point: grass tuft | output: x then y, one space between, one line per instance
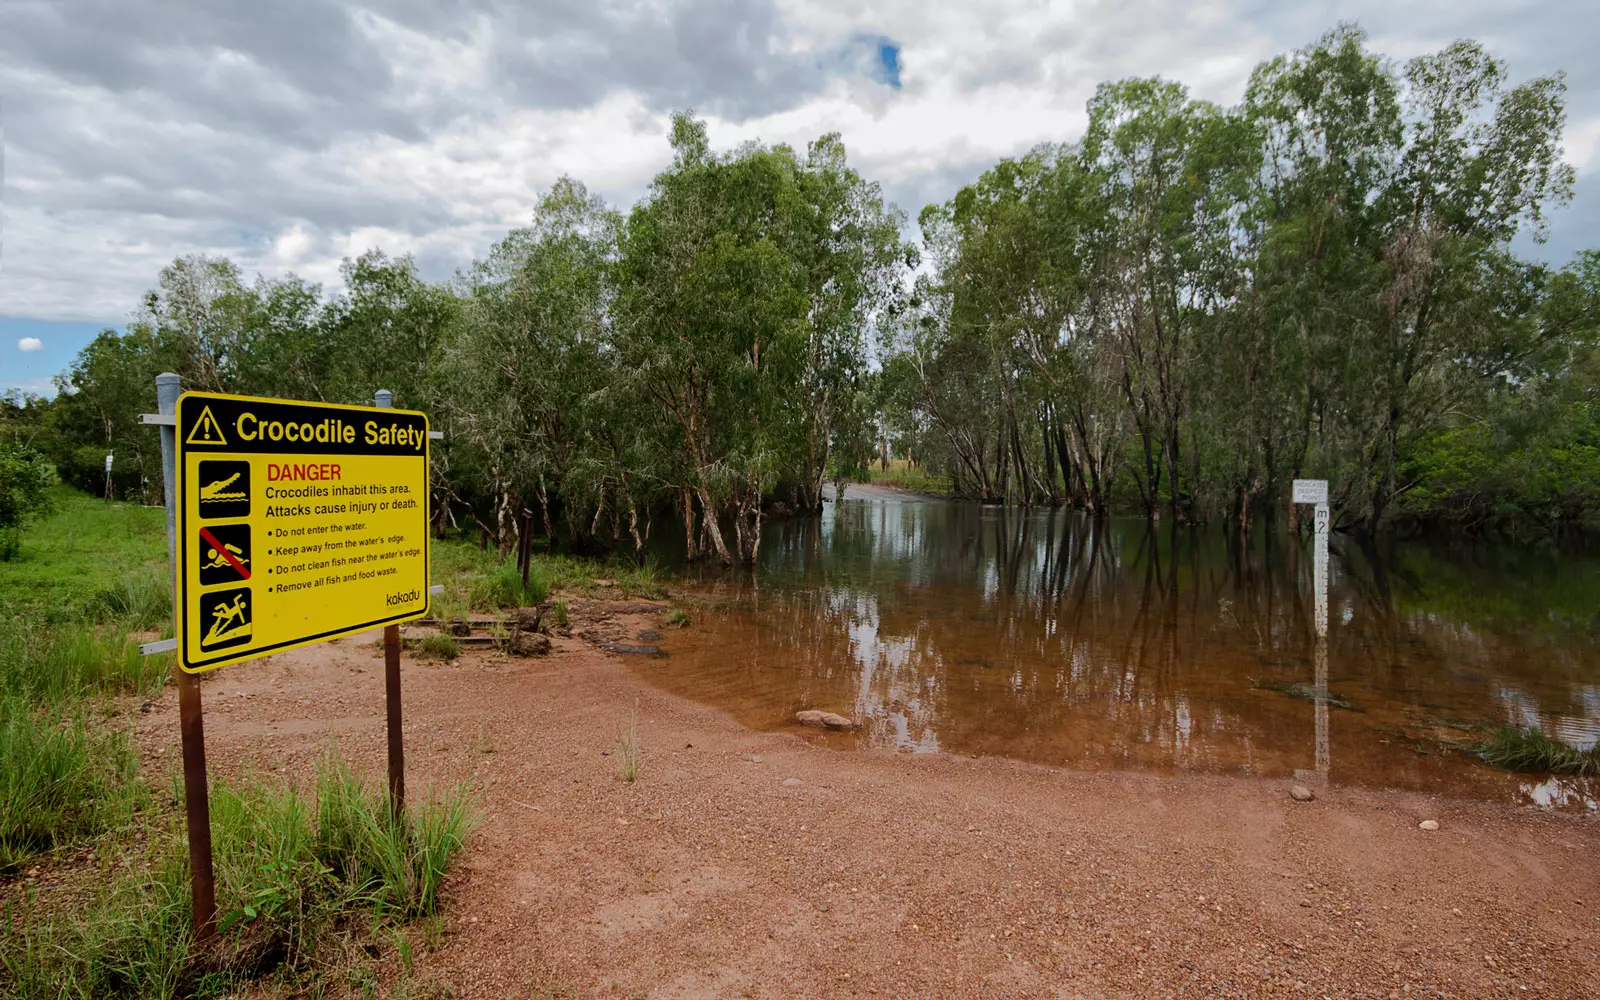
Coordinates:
504 588
628 748
1517 749
138 601
437 647
677 618
60 781
396 866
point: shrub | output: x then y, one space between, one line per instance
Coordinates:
25 481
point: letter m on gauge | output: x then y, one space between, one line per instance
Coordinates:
296 522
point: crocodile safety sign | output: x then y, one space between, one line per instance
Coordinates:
297 522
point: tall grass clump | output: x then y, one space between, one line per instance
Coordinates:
59 780
132 939
291 873
504 588
1516 748
395 865
438 646
138 601
53 664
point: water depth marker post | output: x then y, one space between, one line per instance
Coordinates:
375 570
1315 492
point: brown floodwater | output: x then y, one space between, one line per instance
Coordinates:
1046 636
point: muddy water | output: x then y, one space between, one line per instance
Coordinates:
1048 637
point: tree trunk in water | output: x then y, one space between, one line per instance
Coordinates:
712 529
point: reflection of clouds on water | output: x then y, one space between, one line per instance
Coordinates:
1561 793
1050 636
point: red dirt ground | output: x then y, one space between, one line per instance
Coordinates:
751 864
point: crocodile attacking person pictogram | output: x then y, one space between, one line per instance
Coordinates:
224 489
224 554
225 618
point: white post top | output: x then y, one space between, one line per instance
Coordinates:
1310 491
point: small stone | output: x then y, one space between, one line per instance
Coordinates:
1428 824
1301 793
823 720
792 782
755 758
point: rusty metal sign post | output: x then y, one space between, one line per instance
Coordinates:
234 557
383 399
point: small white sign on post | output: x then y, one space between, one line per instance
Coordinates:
1315 492
1310 491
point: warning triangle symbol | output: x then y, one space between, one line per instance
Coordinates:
206 430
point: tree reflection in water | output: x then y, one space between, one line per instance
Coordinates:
1050 636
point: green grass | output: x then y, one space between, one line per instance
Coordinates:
60 780
437 647
479 581
59 664
1519 749
677 618
297 879
902 476
140 600
86 547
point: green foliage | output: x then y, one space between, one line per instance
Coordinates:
1519 749
25 495
396 867
140 600
1179 313
290 875
439 646
86 547
1193 306
60 781
505 588
676 618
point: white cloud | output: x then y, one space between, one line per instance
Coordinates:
289 142
28 345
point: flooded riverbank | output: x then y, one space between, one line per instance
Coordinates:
1045 636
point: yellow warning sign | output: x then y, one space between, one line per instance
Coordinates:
297 522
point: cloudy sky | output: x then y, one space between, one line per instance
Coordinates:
289 134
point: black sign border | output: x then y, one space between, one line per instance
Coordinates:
180 518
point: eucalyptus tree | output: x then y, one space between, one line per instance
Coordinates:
531 358
744 282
